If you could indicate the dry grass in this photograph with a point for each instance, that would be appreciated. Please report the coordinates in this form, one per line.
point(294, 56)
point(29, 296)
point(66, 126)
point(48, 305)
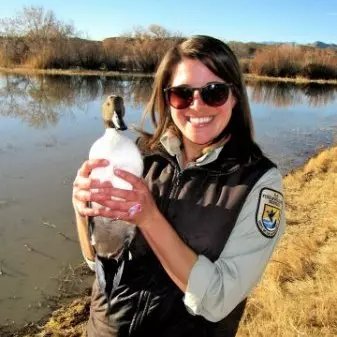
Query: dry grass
point(143, 54)
point(295, 61)
point(70, 72)
point(115, 54)
point(297, 296)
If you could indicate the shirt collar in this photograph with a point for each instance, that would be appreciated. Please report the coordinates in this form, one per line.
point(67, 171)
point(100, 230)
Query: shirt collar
point(172, 145)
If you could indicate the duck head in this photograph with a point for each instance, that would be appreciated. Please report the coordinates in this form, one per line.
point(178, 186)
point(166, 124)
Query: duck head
point(113, 112)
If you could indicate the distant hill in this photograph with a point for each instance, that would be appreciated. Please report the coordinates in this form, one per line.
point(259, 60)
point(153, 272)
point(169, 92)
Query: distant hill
point(317, 44)
point(323, 45)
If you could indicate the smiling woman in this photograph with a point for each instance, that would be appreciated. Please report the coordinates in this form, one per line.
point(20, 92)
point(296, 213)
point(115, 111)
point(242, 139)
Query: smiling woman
point(206, 201)
point(209, 109)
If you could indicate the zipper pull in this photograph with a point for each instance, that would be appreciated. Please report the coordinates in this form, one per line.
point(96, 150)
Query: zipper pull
point(179, 176)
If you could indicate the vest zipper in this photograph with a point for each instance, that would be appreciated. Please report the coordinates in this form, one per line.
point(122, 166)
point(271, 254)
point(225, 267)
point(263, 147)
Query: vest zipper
point(177, 178)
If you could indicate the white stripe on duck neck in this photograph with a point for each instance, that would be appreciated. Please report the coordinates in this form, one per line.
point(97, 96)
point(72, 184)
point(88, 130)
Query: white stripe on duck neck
point(112, 132)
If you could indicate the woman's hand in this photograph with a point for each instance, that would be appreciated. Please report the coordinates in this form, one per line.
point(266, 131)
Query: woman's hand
point(136, 206)
point(83, 184)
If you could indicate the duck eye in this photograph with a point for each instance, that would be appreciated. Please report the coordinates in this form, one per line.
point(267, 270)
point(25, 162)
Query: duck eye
point(108, 104)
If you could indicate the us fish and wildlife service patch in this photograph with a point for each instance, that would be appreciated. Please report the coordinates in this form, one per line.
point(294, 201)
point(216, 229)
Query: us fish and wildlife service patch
point(269, 211)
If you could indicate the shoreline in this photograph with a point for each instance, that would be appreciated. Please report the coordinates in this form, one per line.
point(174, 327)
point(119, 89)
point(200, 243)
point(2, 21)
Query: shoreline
point(82, 72)
point(294, 297)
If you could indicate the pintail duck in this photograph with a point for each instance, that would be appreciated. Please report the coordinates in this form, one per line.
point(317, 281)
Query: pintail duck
point(111, 238)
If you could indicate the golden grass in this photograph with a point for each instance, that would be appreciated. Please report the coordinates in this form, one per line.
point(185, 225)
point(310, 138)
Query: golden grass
point(297, 80)
point(84, 72)
point(70, 72)
point(65, 322)
point(294, 61)
point(298, 293)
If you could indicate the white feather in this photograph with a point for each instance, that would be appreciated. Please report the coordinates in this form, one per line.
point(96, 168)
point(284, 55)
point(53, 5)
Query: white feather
point(121, 152)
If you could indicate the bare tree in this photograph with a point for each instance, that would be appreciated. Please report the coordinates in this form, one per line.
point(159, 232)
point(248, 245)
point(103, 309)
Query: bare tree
point(159, 31)
point(36, 27)
point(153, 31)
point(36, 23)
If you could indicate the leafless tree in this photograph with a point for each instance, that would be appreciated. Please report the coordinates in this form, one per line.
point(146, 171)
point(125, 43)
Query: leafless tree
point(36, 29)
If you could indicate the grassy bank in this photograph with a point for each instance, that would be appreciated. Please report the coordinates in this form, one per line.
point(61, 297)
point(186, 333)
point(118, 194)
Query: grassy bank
point(71, 72)
point(83, 72)
point(296, 296)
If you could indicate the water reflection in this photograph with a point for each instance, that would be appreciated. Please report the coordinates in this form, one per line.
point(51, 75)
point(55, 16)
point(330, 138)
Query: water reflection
point(285, 94)
point(42, 100)
point(136, 91)
point(319, 95)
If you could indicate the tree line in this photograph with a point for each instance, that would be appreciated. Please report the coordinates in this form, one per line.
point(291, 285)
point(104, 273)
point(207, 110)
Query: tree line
point(36, 39)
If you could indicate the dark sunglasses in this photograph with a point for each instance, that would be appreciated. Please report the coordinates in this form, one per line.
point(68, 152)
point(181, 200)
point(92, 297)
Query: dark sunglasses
point(213, 94)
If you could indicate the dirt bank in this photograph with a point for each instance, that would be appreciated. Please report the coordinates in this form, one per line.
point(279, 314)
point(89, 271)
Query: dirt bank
point(296, 296)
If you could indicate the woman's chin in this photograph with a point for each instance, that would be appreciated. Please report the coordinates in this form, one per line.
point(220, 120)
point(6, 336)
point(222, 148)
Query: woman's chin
point(202, 141)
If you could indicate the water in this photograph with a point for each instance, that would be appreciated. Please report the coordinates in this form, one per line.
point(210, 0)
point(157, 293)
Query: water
point(47, 125)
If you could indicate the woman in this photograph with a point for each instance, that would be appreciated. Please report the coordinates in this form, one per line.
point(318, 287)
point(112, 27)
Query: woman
point(210, 205)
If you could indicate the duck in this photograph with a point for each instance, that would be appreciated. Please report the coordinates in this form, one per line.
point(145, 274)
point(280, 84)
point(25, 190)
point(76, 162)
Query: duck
point(111, 238)
point(120, 150)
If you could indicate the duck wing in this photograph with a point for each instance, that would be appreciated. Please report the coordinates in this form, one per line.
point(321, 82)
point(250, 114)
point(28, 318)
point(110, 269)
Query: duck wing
point(111, 237)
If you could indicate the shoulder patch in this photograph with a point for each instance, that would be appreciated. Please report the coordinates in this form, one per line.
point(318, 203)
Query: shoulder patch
point(269, 211)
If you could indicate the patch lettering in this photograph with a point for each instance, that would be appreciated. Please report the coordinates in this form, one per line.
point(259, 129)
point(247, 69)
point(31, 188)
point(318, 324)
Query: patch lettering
point(269, 211)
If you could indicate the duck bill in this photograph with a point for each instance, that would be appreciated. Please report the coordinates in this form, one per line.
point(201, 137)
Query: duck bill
point(118, 122)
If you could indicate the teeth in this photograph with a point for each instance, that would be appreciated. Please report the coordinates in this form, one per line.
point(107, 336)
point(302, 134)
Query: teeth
point(200, 120)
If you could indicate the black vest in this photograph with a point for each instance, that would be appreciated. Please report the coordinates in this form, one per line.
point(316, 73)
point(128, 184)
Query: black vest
point(202, 205)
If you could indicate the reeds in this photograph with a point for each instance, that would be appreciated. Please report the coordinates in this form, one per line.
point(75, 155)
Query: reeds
point(295, 61)
point(114, 54)
point(143, 54)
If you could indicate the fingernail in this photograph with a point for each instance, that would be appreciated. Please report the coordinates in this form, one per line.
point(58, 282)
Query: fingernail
point(117, 171)
point(135, 209)
point(105, 162)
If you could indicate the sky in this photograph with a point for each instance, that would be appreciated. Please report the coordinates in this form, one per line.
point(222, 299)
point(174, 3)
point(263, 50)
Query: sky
point(301, 21)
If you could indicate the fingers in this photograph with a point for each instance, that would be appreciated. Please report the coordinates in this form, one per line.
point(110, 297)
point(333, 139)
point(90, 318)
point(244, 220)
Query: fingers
point(83, 180)
point(114, 202)
point(116, 215)
point(116, 205)
point(83, 210)
point(110, 209)
point(89, 165)
point(104, 192)
point(82, 195)
point(87, 183)
point(136, 182)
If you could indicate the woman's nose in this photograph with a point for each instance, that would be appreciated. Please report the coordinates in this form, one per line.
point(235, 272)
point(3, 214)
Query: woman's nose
point(197, 100)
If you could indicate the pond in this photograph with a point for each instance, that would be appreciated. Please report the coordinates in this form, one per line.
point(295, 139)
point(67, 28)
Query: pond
point(47, 125)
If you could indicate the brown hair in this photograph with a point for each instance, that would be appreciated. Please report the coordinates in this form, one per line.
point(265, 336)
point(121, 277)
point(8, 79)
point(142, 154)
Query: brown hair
point(219, 59)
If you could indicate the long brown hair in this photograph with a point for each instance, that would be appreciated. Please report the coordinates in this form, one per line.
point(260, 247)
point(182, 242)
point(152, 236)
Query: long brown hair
point(219, 59)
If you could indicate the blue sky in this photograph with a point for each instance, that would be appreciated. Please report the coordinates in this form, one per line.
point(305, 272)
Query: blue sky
point(302, 21)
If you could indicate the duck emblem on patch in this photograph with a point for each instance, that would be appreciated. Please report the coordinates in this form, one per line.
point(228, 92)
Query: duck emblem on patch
point(269, 211)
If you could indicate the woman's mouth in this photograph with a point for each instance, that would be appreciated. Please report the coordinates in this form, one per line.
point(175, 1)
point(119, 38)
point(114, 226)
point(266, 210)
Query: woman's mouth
point(199, 121)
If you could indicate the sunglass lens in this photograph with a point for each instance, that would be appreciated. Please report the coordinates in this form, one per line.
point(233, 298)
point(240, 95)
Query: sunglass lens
point(215, 94)
point(180, 97)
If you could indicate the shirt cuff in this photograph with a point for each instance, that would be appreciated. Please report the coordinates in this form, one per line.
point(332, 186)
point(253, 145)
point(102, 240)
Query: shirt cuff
point(198, 283)
point(91, 264)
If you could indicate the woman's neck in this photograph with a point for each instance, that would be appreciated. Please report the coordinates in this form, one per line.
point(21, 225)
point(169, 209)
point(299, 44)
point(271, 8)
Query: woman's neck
point(191, 151)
